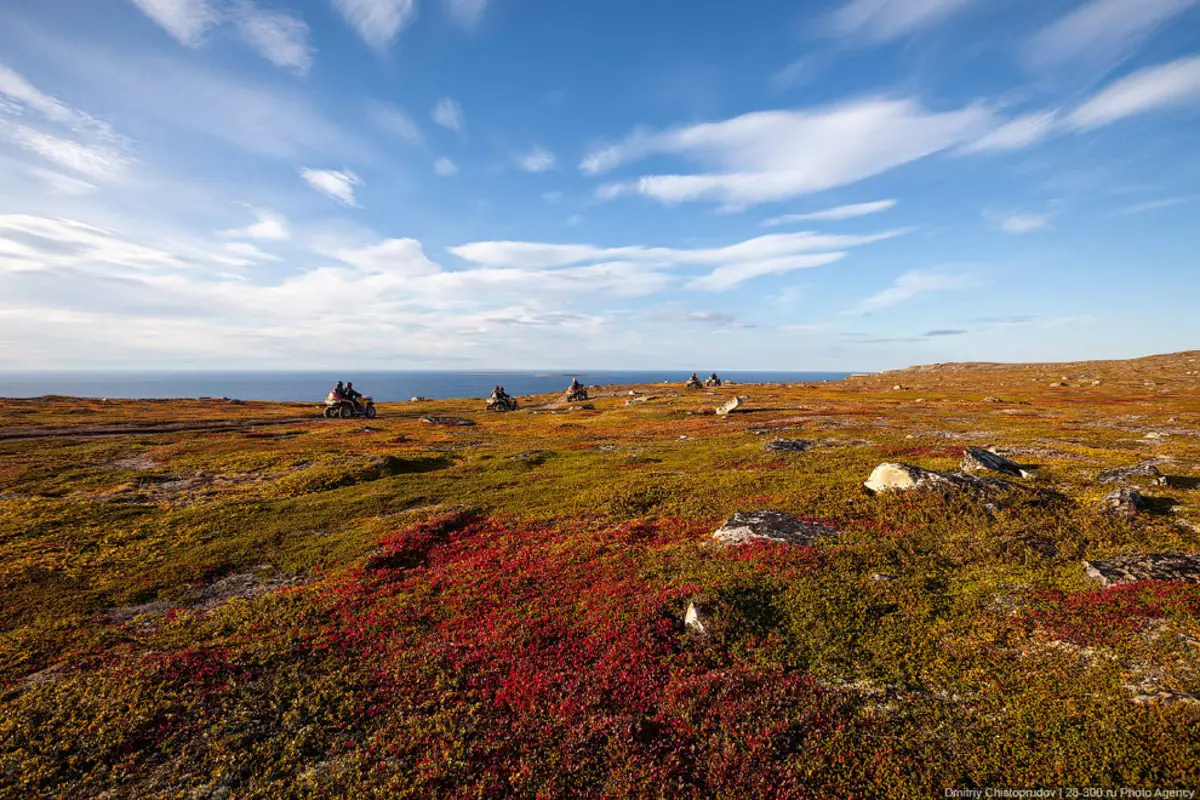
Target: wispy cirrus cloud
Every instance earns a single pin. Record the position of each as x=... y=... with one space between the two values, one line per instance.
x=444 y=167
x=449 y=115
x=186 y=20
x=1101 y=33
x=1018 y=223
x=280 y=37
x=832 y=214
x=913 y=284
x=885 y=20
x=466 y=13
x=730 y=266
x=396 y=122
x=1152 y=205
x=538 y=159
x=1151 y=89
x=336 y=184
x=775 y=155
x=1020 y=132
x=378 y=22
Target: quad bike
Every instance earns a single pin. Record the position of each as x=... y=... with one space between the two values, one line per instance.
x=502 y=404
x=340 y=407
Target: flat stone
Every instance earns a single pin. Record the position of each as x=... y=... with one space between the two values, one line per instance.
x=1125 y=502
x=770 y=526
x=788 y=445
x=977 y=459
x=1145 y=567
x=1146 y=469
x=729 y=406
x=447 y=421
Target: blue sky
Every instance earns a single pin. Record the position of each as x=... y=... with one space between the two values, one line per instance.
x=460 y=184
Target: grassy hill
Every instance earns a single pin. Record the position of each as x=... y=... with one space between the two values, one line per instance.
x=215 y=601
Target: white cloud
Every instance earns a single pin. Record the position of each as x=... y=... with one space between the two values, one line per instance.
x=910 y=285
x=396 y=122
x=449 y=115
x=250 y=252
x=445 y=167
x=832 y=214
x=186 y=20
x=261 y=117
x=730 y=275
x=1014 y=135
x=1019 y=224
x=885 y=20
x=1153 y=205
x=377 y=21
x=536 y=255
x=15 y=87
x=338 y=185
x=1101 y=33
x=61 y=184
x=75 y=245
x=270 y=226
x=539 y=159
x=95 y=162
x=794 y=74
x=466 y=13
x=1151 y=89
x=281 y=38
x=399 y=257
x=775 y=155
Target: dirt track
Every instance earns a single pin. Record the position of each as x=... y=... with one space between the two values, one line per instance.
x=161 y=427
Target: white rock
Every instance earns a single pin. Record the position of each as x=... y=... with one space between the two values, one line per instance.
x=726 y=408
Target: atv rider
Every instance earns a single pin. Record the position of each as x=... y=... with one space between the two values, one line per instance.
x=339 y=391
x=353 y=395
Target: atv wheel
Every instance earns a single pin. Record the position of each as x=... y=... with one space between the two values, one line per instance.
x=346 y=412
x=370 y=412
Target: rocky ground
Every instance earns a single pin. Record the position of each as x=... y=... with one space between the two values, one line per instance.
x=949 y=576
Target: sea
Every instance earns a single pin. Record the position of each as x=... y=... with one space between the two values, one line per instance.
x=383 y=386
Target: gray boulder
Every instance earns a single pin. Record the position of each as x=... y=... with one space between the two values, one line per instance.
x=788 y=445
x=1146 y=469
x=977 y=459
x=1125 y=502
x=770 y=526
x=1145 y=567
x=452 y=421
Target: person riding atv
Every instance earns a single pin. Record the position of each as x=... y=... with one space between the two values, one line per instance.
x=352 y=395
x=345 y=402
x=501 y=401
x=694 y=383
x=713 y=380
x=576 y=391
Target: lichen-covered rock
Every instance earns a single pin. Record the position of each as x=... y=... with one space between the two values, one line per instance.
x=894 y=476
x=729 y=407
x=902 y=477
x=452 y=421
x=1145 y=567
x=770 y=526
x=1125 y=502
x=977 y=459
x=1146 y=469
x=788 y=445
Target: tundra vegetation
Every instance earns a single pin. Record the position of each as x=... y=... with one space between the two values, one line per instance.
x=195 y=606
